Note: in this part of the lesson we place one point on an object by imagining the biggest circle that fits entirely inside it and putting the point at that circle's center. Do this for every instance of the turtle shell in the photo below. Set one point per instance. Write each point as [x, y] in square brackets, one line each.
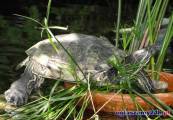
[90, 52]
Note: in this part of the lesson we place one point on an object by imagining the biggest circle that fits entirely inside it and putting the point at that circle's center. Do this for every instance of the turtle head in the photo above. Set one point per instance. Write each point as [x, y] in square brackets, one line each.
[143, 55]
[153, 49]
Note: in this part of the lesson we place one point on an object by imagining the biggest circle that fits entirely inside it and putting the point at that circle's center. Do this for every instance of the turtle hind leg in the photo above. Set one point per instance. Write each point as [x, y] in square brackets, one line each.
[20, 90]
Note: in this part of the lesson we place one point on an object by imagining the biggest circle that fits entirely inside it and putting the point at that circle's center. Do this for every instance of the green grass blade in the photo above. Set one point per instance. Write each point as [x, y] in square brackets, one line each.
[118, 22]
[166, 42]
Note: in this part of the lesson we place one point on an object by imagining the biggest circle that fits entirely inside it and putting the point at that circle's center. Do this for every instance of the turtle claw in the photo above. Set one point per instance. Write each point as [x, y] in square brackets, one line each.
[15, 97]
[160, 85]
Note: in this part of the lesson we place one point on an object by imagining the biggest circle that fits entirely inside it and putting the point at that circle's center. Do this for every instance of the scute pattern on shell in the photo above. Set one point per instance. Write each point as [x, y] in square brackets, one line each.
[44, 61]
[91, 53]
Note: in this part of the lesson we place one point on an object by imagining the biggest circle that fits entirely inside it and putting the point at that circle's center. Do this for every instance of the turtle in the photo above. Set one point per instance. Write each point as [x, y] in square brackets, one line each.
[45, 61]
